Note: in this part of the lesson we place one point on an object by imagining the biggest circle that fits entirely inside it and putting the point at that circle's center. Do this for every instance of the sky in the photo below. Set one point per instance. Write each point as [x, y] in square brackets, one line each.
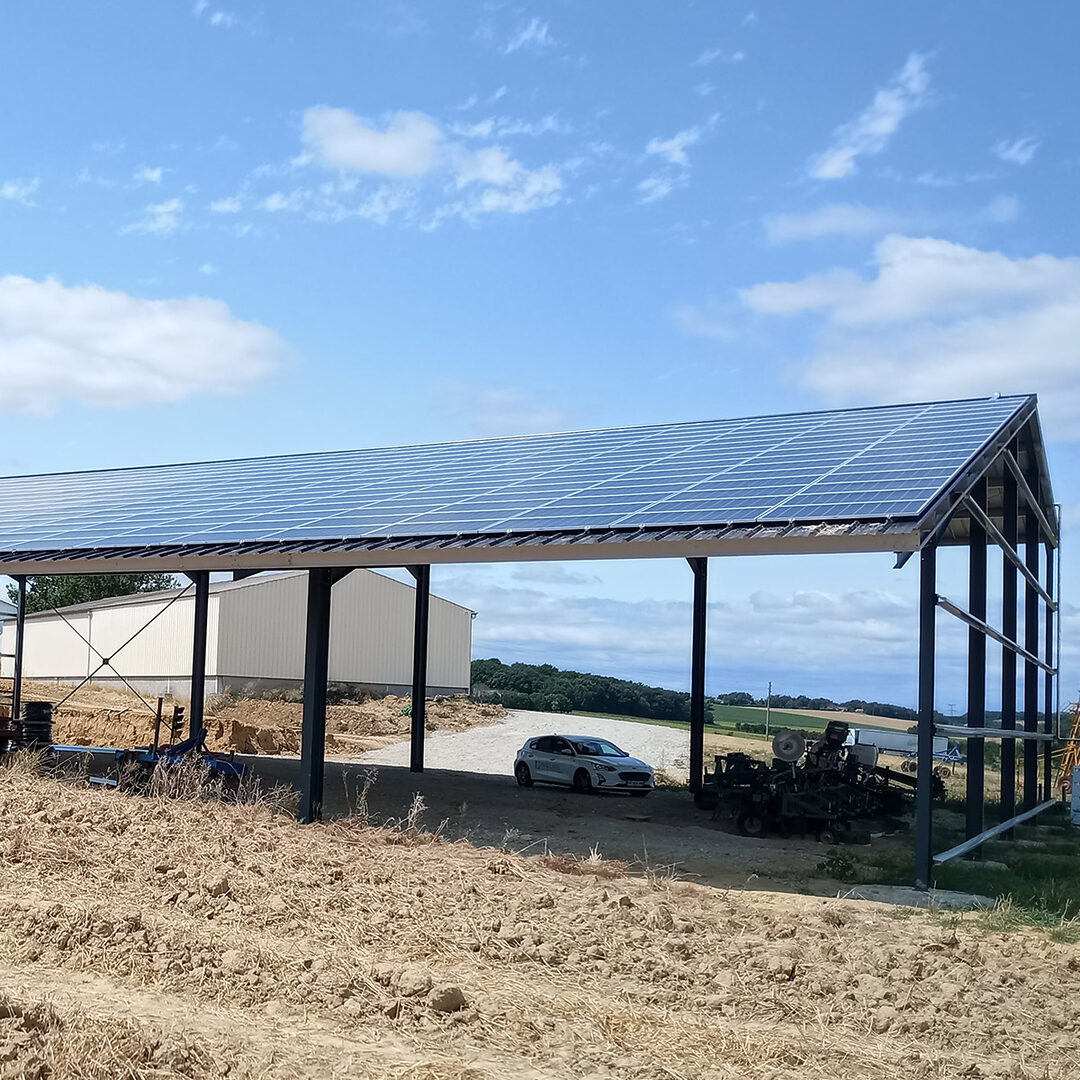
[246, 229]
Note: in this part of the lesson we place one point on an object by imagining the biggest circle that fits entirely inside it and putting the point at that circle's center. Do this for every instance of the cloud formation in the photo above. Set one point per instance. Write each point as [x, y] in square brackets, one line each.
[1017, 151]
[103, 347]
[535, 35]
[939, 320]
[20, 191]
[870, 132]
[158, 219]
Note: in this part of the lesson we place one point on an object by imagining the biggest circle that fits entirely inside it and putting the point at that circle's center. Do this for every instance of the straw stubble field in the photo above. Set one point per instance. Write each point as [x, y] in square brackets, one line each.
[178, 938]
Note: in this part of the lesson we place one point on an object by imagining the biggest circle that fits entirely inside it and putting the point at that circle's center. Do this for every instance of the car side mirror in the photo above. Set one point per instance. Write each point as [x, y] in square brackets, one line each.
[567, 752]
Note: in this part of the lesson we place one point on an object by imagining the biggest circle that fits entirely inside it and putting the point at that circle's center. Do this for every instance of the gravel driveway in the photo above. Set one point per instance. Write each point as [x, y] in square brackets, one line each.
[491, 749]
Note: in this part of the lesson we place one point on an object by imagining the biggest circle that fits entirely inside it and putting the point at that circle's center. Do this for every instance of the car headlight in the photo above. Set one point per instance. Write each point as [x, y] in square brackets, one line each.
[603, 768]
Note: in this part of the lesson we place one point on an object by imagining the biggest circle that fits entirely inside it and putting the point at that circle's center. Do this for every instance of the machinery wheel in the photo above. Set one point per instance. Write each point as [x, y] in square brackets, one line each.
[826, 836]
[522, 774]
[942, 771]
[907, 765]
[750, 823]
[582, 782]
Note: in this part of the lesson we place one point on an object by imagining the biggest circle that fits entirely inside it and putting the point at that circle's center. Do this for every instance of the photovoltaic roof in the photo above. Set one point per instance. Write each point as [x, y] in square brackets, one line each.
[887, 463]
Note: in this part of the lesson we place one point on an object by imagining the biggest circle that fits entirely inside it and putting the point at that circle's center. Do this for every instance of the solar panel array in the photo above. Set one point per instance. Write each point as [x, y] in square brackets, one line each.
[875, 463]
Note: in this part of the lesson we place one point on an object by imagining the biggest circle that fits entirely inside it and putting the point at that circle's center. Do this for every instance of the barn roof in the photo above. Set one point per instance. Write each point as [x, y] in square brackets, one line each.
[867, 479]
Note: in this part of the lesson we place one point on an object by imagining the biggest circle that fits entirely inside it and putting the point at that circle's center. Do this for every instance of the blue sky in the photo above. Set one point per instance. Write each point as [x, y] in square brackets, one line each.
[243, 229]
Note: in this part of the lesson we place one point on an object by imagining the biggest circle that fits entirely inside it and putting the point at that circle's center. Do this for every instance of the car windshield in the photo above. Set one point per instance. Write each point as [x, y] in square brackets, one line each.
[597, 748]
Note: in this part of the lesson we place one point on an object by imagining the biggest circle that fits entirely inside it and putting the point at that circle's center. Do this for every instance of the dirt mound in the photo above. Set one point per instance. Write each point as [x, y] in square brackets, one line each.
[105, 716]
[177, 928]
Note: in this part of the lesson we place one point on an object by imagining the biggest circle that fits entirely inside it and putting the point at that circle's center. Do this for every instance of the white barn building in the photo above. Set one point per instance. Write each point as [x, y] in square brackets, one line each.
[255, 638]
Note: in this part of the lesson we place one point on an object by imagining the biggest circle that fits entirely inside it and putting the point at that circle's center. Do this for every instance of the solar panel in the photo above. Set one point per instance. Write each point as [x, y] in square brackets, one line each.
[875, 463]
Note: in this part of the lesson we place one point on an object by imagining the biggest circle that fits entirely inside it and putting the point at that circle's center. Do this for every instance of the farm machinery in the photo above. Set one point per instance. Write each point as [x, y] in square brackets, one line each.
[817, 789]
[132, 768]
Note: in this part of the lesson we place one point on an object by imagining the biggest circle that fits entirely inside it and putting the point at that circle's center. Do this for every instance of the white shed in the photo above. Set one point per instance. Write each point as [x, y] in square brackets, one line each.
[255, 638]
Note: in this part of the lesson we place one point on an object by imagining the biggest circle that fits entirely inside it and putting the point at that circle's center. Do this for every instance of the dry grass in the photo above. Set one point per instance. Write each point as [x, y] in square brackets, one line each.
[133, 923]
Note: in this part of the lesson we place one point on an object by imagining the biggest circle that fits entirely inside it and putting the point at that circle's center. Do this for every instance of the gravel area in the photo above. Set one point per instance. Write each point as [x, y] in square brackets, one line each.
[491, 749]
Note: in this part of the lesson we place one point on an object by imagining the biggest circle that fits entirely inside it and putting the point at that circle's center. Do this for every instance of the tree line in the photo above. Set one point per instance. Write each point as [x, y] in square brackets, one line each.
[546, 688]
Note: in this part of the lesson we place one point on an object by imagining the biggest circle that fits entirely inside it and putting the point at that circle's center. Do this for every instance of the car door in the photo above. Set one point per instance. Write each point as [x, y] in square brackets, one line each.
[562, 760]
[539, 758]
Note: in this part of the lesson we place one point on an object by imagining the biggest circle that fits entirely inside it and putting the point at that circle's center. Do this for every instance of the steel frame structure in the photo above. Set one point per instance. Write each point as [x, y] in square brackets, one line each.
[1025, 523]
[1009, 469]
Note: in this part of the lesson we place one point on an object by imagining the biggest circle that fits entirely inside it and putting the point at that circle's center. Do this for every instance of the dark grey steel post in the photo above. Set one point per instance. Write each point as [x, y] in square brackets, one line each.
[20, 638]
[1049, 719]
[316, 670]
[975, 800]
[201, 578]
[1008, 657]
[924, 790]
[1032, 544]
[422, 574]
[700, 568]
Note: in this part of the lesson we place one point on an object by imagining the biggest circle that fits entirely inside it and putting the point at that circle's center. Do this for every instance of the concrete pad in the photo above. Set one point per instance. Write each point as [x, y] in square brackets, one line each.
[935, 899]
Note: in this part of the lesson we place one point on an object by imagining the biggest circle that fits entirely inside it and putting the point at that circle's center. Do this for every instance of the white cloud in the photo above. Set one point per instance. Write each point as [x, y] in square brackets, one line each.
[710, 56]
[209, 269]
[869, 133]
[940, 320]
[278, 201]
[841, 219]
[534, 35]
[1002, 209]
[656, 187]
[1017, 151]
[673, 150]
[223, 20]
[146, 175]
[102, 347]
[413, 146]
[704, 89]
[20, 191]
[501, 410]
[158, 219]
[704, 320]
[231, 205]
[337, 138]
[504, 127]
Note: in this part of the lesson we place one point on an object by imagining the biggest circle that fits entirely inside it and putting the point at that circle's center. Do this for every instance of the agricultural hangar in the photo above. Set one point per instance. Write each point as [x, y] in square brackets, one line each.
[904, 479]
[254, 638]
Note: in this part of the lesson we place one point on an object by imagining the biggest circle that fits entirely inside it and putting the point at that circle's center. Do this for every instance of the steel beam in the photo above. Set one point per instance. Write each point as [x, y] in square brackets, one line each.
[1009, 549]
[1008, 656]
[700, 568]
[1049, 720]
[20, 642]
[924, 787]
[201, 578]
[422, 574]
[316, 669]
[1032, 545]
[995, 830]
[1030, 500]
[985, 628]
[975, 796]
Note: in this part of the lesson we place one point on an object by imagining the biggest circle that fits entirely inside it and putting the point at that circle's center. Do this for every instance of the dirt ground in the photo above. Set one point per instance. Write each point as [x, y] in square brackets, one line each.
[107, 716]
[170, 938]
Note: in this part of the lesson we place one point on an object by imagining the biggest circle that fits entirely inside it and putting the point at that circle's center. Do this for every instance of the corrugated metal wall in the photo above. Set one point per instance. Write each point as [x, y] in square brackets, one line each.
[256, 632]
[262, 632]
[159, 650]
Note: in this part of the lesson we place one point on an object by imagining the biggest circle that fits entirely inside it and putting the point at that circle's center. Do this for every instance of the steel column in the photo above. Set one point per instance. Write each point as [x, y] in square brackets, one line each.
[1032, 544]
[975, 797]
[1049, 720]
[316, 669]
[422, 574]
[1008, 657]
[924, 790]
[20, 640]
[201, 578]
[700, 568]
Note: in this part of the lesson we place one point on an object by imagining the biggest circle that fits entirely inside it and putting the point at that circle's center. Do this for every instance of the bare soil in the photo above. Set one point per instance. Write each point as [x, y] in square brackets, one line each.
[177, 938]
[107, 716]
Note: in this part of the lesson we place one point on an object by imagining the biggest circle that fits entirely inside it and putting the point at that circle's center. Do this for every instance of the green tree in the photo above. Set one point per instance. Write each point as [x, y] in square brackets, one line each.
[47, 591]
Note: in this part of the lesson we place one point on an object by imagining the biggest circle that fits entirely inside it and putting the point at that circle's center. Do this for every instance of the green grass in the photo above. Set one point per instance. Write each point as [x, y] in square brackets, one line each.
[1041, 886]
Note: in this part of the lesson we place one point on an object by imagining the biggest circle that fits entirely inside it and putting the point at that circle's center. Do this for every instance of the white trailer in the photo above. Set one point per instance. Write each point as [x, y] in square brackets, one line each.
[897, 742]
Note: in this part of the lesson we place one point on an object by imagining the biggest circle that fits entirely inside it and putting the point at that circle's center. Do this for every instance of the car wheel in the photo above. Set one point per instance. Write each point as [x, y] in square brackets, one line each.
[582, 782]
[522, 774]
[751, 823]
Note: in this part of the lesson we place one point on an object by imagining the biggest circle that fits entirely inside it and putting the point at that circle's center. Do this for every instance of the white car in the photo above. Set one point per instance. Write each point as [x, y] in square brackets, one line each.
[582, 762]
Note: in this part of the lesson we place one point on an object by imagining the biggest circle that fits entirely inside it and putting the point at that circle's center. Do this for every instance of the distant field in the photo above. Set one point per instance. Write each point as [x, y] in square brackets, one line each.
[727, 716]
